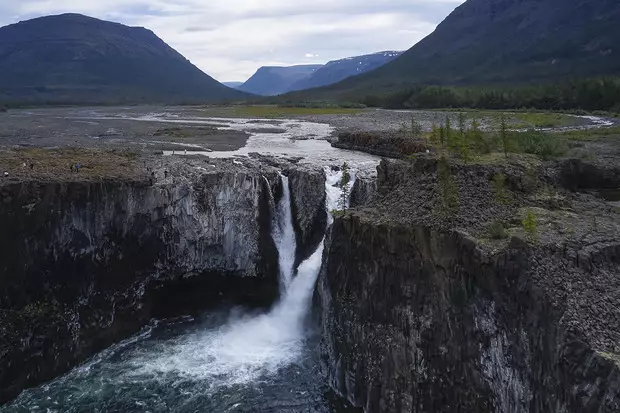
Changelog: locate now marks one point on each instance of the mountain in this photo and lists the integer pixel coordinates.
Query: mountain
(275, 80)
(504, 41)
(233, 85)
(272, 81)
(71, 58)
(337, 70)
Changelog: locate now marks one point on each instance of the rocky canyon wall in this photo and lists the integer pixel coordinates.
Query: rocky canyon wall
(86, 263)
(419, 317)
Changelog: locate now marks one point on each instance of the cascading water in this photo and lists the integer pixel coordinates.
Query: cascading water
(284, 235)
(333, 188)
(223, 363)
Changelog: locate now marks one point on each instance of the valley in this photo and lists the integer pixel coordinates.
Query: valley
(434, 227)
(178, 213)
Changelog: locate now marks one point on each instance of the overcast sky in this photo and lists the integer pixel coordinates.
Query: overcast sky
(230, 39)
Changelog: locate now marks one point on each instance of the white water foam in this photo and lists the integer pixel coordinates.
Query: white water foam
(333, 188)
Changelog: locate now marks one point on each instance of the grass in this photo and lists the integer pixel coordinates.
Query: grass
(591, 134)
(543, 120)
(498, 158)
(185, 132)
(522, 119)
(55, 164)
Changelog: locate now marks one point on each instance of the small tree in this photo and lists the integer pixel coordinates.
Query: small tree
(344, 186)
(416, 128)
(464, 150)
(503, 133)
(448, 133)
(529, 225)
(476, 137)
(448, 188)
(435, 134)
(442, 137)
(462, 122)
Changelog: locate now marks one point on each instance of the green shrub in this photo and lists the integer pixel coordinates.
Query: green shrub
(529, 225)
(477, 139)
(545, 145)
(497, 230)
(448, 188)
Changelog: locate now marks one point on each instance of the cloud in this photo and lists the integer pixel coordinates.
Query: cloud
(230, 40)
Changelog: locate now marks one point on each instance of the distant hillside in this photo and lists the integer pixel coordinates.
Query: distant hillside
(72, 58)
(503, 41)
(233, 85)
(337, 70)
(275, 80)
(272, 81)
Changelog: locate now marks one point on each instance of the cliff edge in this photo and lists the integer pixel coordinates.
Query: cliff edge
(470, 288)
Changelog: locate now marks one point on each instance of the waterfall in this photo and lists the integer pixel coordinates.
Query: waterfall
(333, 190)
(283, 235)
(213, 363)
(249, 346)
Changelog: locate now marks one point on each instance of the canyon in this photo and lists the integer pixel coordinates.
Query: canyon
(410, 305)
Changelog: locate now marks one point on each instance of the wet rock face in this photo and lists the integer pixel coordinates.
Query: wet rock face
(307, 185)
(87, 263)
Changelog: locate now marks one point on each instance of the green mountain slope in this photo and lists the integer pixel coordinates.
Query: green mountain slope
(504, 41)
(72, 58)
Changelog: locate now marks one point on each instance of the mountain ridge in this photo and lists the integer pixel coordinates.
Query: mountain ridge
(502, 42)
(73, 58)
(337, 70)
(276, 80)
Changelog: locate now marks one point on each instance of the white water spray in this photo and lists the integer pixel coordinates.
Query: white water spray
(333, 188)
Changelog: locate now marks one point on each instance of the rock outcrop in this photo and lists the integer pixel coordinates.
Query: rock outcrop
(388, 144)
(308, 208)
(88, 262)
(363, 192)
(577, 174)
(419, 315)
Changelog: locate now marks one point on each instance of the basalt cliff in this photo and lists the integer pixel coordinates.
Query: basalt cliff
(87, 261)
(434, 294)
(424, 307)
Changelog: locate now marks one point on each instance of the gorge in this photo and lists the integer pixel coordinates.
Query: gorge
(234, 282)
